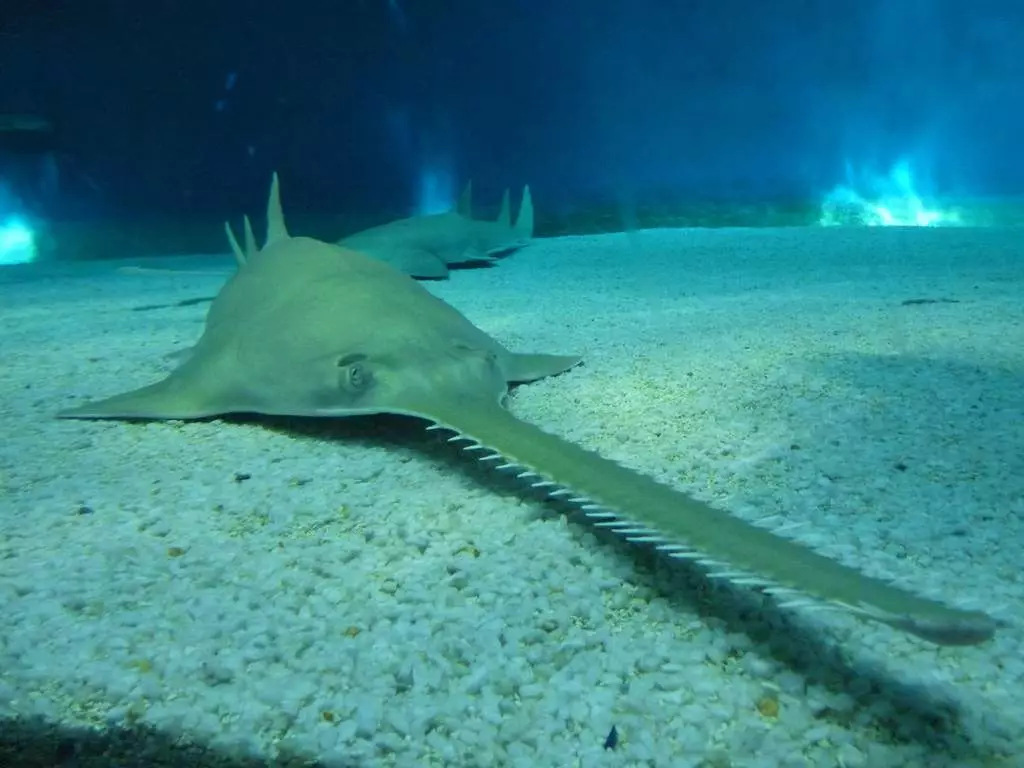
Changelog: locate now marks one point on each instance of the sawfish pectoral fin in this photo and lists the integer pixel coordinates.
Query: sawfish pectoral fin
(643, 510)
(162, 400)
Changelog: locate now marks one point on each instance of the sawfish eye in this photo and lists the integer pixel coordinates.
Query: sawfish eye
(355, 373)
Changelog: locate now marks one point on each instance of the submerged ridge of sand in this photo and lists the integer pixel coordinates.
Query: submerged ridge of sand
(361, 594)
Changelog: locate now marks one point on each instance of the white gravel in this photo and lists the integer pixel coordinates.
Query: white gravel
(360, 593)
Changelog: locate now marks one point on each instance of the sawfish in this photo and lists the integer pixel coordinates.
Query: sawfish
(426, 246)
(307, 328)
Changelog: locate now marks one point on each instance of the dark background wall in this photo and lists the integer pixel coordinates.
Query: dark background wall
(185, 107)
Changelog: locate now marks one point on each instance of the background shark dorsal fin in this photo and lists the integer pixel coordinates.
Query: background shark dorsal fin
(505, 214)
(276, 229)
(465, 205)
(524, 221)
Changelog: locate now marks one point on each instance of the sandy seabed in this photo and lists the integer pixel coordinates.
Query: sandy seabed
(361, 593)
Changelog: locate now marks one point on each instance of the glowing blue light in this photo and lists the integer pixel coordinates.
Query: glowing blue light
(886, 201)
(17, 242)
(436, 192)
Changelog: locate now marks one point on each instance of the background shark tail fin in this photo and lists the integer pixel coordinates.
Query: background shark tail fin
(505, 214)
(276, 229)
(524, 221)
(465, 206)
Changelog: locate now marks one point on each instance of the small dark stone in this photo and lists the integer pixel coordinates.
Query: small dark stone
(613, 739)
(900, 466)
(66, 750)
(241, 477)
(921, 302)
(84, 509)
(193, 302)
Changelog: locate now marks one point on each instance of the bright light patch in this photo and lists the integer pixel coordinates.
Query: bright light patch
(436, 192)
(886, 201)
(17, 242)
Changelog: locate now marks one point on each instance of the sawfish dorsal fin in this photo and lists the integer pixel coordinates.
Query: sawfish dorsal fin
(242, 256)
(236, 249)
(276, 229)
(249, 238)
